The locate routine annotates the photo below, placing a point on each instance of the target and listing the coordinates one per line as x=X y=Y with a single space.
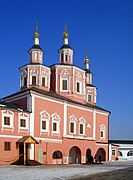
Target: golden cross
x=36 y=26
x=65 y=27
x=86 y=52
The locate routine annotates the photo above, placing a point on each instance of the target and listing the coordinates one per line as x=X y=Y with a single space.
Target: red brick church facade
x=54 y=118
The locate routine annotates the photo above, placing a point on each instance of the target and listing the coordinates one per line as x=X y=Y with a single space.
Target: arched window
x=33 y=76
x=72 y=124
x=64 y=81
x=102 y=131
x=24 y=78
x=23 y=119
x=57 y=155
x=82 y=126
x=62 y=57
x=44 y=121
x=7 y=119
x=55 y=123
x=66 y=57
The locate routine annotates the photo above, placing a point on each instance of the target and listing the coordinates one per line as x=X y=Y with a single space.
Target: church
x=54 y=118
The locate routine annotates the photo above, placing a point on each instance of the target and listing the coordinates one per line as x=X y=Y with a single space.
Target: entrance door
x=27 y=151
x=21 y=152
x=102 y=153
x=75 y=155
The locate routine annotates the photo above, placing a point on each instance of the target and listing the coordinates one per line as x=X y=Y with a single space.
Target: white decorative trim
x=83 y=122
x=10 y=136
x=49 y=140
x=83 y=159
x=80 y=86
x=72 y=119
x=44 y=116
x=24 y=116
x=32 y=116
x=78 y=137
x=10 y=114
x=109 y=152
x=78 y=107
x=61 y=84
x=99 y=112
x=101 y=144
x=103 y=129
x=65 y=160
x=32 y=151
x=56 y=119
x=47 y=99
x=37 y=138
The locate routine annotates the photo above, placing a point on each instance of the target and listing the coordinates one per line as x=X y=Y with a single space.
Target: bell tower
x=36 y=53
x=35 y=74
x=66 y=52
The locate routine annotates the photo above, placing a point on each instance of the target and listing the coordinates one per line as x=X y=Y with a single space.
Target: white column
x=94 y=124
x=65 y=119
x=32 y=151
x=32 y=116
x=110 y=152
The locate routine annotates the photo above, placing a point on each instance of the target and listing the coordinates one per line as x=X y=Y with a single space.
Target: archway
x=130 y=153
x=75 y=155
x=120 y=153
x=101 y=152
x=88 y=154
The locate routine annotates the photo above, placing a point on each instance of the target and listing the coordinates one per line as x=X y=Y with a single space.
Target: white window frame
x=83 y=122
x=88 y=97
x=114 y=150
x=103 y=129
x=61 y=83
x=46 y=82
x=44 y=116
x=24 y=116
x=72 y=119
x=56 y=119
x=23 y=75
x=80 y=87
x=7 y=113
x=33 y=72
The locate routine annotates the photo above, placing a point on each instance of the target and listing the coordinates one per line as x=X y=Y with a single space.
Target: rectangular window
x=64 y=85
x=33 y=80
x=78 y=87
x=23 y=123
x=44 y=125
x=43 y=81
x=71 y=127
x=102 y=134
x=81 y=128
x=54 y=126
x=6 y=120
x=89 y=98
x=7 y=146
x=113 y=152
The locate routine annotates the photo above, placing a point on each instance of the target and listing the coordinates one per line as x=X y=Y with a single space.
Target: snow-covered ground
x=63 y=172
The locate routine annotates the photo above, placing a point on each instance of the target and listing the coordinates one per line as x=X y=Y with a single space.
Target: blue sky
x=104 y=27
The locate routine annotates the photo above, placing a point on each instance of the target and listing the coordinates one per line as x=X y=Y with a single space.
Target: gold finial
x=86 y=59
x=65 y=31
x=36 y=34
